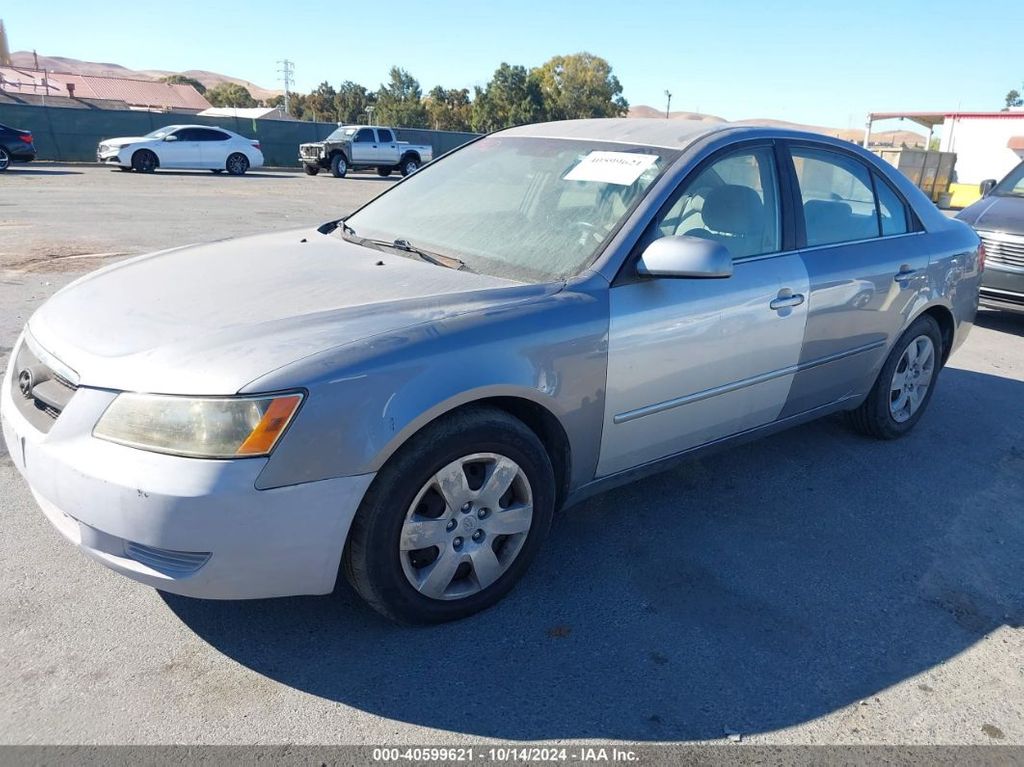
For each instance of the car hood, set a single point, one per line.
(997, 214)
(124, 140)
(209, 319)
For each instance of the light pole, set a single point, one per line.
(668, 103)
(369, 115)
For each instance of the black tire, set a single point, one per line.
(216, 170)
(311, 170)
(144, 161)
(874, 416)
(339, 165)
(383, 172)
(237, 164)
(5, 159)
(373, 562)
(409, 165)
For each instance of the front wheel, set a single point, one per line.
(339, 166)
(311, 170)
(144, 161)
(237, 164)
(453, 519)
(905, 385)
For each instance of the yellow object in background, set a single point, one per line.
(963, 195)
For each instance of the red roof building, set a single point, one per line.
(139, 94)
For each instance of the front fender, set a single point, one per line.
(366, 401)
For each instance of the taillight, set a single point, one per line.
(981, 256)
(26, 137)
(256, 145)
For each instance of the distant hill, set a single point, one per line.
(78, 67)
(888, 138)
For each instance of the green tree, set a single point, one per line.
(1013, 99)
(230, 95)
(320, 103)
(512, 97)
(183, 80)
(578, 86)
(399, 101)
(449, 109)
(351, 101)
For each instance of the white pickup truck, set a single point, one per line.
(359, 147)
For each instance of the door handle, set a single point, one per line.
(905, 273)
(787, 299)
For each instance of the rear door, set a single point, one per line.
(214, 147)
(364, 147)
(867, 269)
(692, 361)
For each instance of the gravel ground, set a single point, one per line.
(814, 587)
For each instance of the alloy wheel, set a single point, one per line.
(911, 379)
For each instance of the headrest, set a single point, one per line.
(733, 209)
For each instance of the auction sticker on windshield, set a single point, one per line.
(622, 168)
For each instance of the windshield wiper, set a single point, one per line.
(437, 259)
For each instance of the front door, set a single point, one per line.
(692, 361)
(183, 152)
(867, 270)
(364, 147)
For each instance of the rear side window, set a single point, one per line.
(385, 136)
(837, 197)
(206, 134)
(891, 208)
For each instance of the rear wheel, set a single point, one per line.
(311, 170)
(144, 161)
(237, 164)
(5, 159)
(453, 519)
(339, 165)
(409, 165)
(905, 385)
(383, 172)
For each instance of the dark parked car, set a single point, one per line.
(998, 218)
(15, 146)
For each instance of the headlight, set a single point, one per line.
(200, 427)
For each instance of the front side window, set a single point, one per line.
(365, 136)
(733, 201)
(837, 197)
(526, 209)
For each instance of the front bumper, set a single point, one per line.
(111, 156)
(1002, 286)
(194, 527)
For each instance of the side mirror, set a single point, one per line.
(986, 186)
(170, 137)
(681, 256)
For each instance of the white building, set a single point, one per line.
(987, 144)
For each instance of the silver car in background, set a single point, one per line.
(409, 394)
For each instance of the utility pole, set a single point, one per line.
(287, 72)
(668, 103)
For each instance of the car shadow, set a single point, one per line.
(1002, 320)
(749, 591)
(22, 171)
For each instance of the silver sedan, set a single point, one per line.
(408, 395)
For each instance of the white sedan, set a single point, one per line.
(198, 147)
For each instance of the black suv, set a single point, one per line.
(15, 146)
(998, 218)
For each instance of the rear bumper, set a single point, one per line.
(18, 154)
(193, 527)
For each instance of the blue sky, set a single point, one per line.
(824, 63)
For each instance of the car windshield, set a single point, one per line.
(341, 133)
(526, 209)
(1013, 184)
(161, 132)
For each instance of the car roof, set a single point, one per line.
(179, 127)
